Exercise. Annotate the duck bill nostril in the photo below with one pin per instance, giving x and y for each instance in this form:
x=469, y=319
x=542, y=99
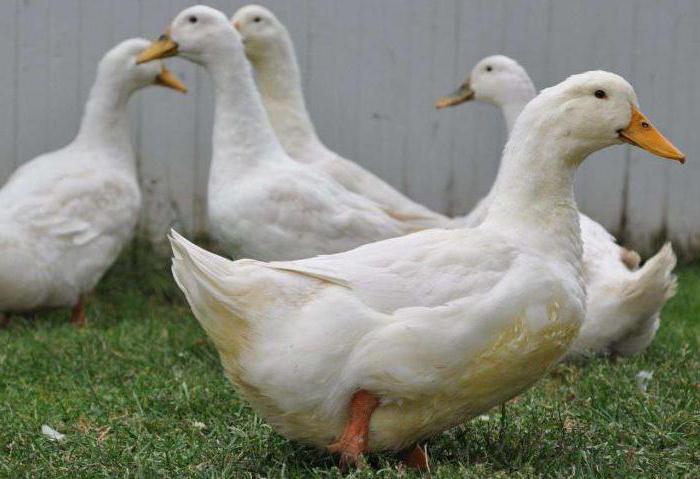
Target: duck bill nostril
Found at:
x=642, y=134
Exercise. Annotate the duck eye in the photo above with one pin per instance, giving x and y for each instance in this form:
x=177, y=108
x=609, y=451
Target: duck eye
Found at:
x=257, y=19
x=193, y=19
x=600, y=94
x=489, y=68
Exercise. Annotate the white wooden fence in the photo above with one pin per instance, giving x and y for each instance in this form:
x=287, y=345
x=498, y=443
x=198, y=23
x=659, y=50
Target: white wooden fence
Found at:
x=372, y=70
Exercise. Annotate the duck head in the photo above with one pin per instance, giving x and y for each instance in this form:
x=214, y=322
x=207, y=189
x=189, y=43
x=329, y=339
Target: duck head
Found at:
x=199, y=34
x=120, y=64
x=497, y=79
x=590, y=111
x=260, y=29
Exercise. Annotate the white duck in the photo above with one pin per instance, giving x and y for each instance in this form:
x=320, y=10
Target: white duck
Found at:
x=271, y=52
x=67, y=214
x=263, y=204
x=385, y=345
x=624, y=302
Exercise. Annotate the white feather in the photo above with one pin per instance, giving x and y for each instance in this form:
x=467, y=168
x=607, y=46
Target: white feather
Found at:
x=623, y=304
x=271, y=52
x=441, y=325
x=67, y=214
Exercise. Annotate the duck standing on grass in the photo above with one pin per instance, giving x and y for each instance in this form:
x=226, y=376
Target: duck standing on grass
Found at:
x=383, y=346
x=624, y=301
x=67, y=214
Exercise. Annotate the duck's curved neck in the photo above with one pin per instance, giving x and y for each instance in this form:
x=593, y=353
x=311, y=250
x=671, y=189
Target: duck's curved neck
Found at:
x=533, y=196
x=105, y=120
x=511, y=107
x=279, y=81
x=513, y=100
x=511, y=110
x=242, y=135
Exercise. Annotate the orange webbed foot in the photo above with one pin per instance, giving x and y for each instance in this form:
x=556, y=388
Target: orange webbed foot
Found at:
x=350, y=453
x=354, y=440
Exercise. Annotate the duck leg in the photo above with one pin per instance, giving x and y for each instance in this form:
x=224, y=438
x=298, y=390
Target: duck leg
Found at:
x=77, y=317
x=417, y=458
x=353, y=441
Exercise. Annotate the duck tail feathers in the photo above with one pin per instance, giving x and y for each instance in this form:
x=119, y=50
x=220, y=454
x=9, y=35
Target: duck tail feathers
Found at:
x=653, y=285
x=202, y=276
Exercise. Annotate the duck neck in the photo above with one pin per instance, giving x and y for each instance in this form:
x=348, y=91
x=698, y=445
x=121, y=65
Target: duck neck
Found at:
x=511, y=110
x=105, y=122
x=279, y=81
x=533, y=196
x=242, y=135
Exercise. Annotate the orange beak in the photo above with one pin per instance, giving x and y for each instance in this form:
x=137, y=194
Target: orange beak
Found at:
x=459, y=96
x=162, y=48
x=640, y=132
x=237, y=25
x=168, y=79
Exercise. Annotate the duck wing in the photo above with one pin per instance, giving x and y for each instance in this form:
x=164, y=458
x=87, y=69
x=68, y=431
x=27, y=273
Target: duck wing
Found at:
x=428, y=268
x=363, y=182
x=74, y=208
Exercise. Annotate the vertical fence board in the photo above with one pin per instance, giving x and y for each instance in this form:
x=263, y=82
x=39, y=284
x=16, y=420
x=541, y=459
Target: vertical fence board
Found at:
x=379, y=117
x=683, y=215
x=8, y=88
x=32, y=72
x=478, y=132
x=320, y=70
x=96, y=38
x=63, y=50
x=382, y=115
x=426, y=160
x=648, y=176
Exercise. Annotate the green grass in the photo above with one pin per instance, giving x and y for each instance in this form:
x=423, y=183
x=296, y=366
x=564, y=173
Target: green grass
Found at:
x=129, y=390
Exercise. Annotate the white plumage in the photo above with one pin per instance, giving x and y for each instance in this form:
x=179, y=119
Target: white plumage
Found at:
x=261, y=203
x=624, y=302
x=440, y=325
x=67, y=214
x=618, y=321
x=427, y=322
x=271, y=52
